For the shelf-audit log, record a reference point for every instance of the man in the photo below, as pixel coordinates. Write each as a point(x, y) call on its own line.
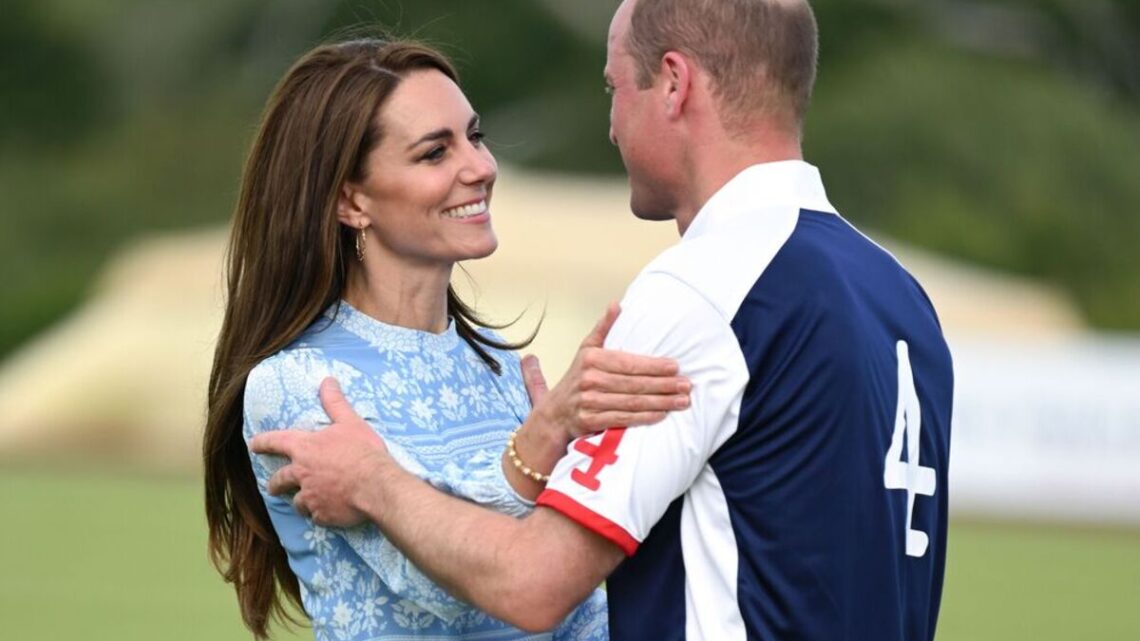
point(803, 495)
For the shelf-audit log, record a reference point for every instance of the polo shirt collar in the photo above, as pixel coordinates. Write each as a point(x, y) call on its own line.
point(787, 183)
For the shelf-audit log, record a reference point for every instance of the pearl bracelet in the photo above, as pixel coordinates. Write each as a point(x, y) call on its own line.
point(518, 462)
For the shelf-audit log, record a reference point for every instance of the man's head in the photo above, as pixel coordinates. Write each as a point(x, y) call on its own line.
point(691, 74)
point(760, 54)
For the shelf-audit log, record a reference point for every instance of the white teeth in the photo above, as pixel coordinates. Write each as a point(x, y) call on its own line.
point(466, 211)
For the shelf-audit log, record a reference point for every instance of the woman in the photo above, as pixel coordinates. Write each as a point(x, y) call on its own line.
point(368, 180)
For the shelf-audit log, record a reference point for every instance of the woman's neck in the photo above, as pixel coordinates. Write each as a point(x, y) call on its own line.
point(416, 299)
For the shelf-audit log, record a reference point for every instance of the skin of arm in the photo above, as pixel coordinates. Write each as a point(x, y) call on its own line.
point(602, 388)
point(528, 572)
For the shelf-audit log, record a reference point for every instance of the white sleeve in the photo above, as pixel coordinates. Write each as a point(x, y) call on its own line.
point(619, 483)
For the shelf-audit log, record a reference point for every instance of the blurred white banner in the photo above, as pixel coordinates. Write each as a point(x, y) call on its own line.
point(1047, 429)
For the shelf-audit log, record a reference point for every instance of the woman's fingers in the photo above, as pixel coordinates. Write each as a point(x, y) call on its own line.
point(616, 362)
point(597, 336)
point(601, 402)
point(608, 383)
point(533, 379)
point(606, 420)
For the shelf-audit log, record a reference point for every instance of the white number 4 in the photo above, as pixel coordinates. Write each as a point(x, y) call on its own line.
point(908, 475)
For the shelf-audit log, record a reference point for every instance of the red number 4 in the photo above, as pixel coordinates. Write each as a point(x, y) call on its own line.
point(601, 455)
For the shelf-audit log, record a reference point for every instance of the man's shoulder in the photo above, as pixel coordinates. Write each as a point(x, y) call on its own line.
point(669, 289)
point(719, 266)
point(668, 311)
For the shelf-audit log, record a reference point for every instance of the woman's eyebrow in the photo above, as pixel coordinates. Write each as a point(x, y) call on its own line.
point(443, 133)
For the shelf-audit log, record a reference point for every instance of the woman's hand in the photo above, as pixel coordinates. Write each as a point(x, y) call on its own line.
point(603, 388)
point(606, 388)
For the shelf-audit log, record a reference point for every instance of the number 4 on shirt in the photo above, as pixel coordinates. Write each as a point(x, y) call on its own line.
point(601, 455)
point(908, 475)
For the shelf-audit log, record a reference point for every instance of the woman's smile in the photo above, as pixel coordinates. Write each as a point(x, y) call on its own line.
point(469, 211)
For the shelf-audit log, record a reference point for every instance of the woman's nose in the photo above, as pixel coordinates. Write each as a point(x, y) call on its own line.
point(479, 166)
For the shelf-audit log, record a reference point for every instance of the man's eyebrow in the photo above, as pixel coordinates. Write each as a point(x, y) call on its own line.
point(443, 133)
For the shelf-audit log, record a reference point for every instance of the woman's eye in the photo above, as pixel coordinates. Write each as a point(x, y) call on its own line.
point(436, 153)
point(476, 137)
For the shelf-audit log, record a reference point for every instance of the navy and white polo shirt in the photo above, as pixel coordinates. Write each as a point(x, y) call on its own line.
point(803, 494)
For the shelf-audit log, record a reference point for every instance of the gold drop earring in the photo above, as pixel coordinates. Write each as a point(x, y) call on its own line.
point(361, 242)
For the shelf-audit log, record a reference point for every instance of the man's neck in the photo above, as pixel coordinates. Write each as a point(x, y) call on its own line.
point(714, 165)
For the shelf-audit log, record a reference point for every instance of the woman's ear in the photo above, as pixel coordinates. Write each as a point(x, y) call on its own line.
point(348, 206)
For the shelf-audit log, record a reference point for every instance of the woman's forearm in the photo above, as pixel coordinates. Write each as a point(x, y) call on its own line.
point(538, 446)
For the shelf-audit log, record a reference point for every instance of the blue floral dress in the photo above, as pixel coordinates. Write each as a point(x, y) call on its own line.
point(445, 417)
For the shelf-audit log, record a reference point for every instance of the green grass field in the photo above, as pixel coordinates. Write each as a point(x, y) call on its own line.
point(87, 556)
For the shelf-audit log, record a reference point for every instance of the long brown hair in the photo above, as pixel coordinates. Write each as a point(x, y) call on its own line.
point(287, 261)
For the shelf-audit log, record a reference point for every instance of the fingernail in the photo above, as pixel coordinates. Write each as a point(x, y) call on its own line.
point(682, 402)
point(684, 387)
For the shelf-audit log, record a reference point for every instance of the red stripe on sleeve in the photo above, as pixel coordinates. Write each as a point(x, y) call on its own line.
point(589, 519)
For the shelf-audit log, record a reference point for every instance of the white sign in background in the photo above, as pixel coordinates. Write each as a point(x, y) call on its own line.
point(1047, 430)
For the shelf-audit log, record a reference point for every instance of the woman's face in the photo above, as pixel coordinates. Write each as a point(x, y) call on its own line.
point(428, 184)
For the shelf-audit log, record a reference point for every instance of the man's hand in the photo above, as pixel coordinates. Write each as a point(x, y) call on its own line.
point(329, 469)
point(606, 388)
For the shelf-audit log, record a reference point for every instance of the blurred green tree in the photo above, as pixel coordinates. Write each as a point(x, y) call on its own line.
point(51, 88)
point(1004, 132)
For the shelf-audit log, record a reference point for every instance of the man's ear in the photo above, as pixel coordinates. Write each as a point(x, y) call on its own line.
point(349, 209)
point(677, 78)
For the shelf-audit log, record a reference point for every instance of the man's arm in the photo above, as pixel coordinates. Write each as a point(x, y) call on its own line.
point(530, 573)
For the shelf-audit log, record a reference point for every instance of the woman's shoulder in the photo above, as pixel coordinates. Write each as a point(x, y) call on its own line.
point(285, 385)
point(277, 383)
point(286, 362)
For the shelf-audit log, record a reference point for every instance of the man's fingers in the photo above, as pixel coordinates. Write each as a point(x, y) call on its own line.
point(334, 402)
point(597, 336)
point(284, 481)
point(279, 442)
point(533, 378)
point(300, 503)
